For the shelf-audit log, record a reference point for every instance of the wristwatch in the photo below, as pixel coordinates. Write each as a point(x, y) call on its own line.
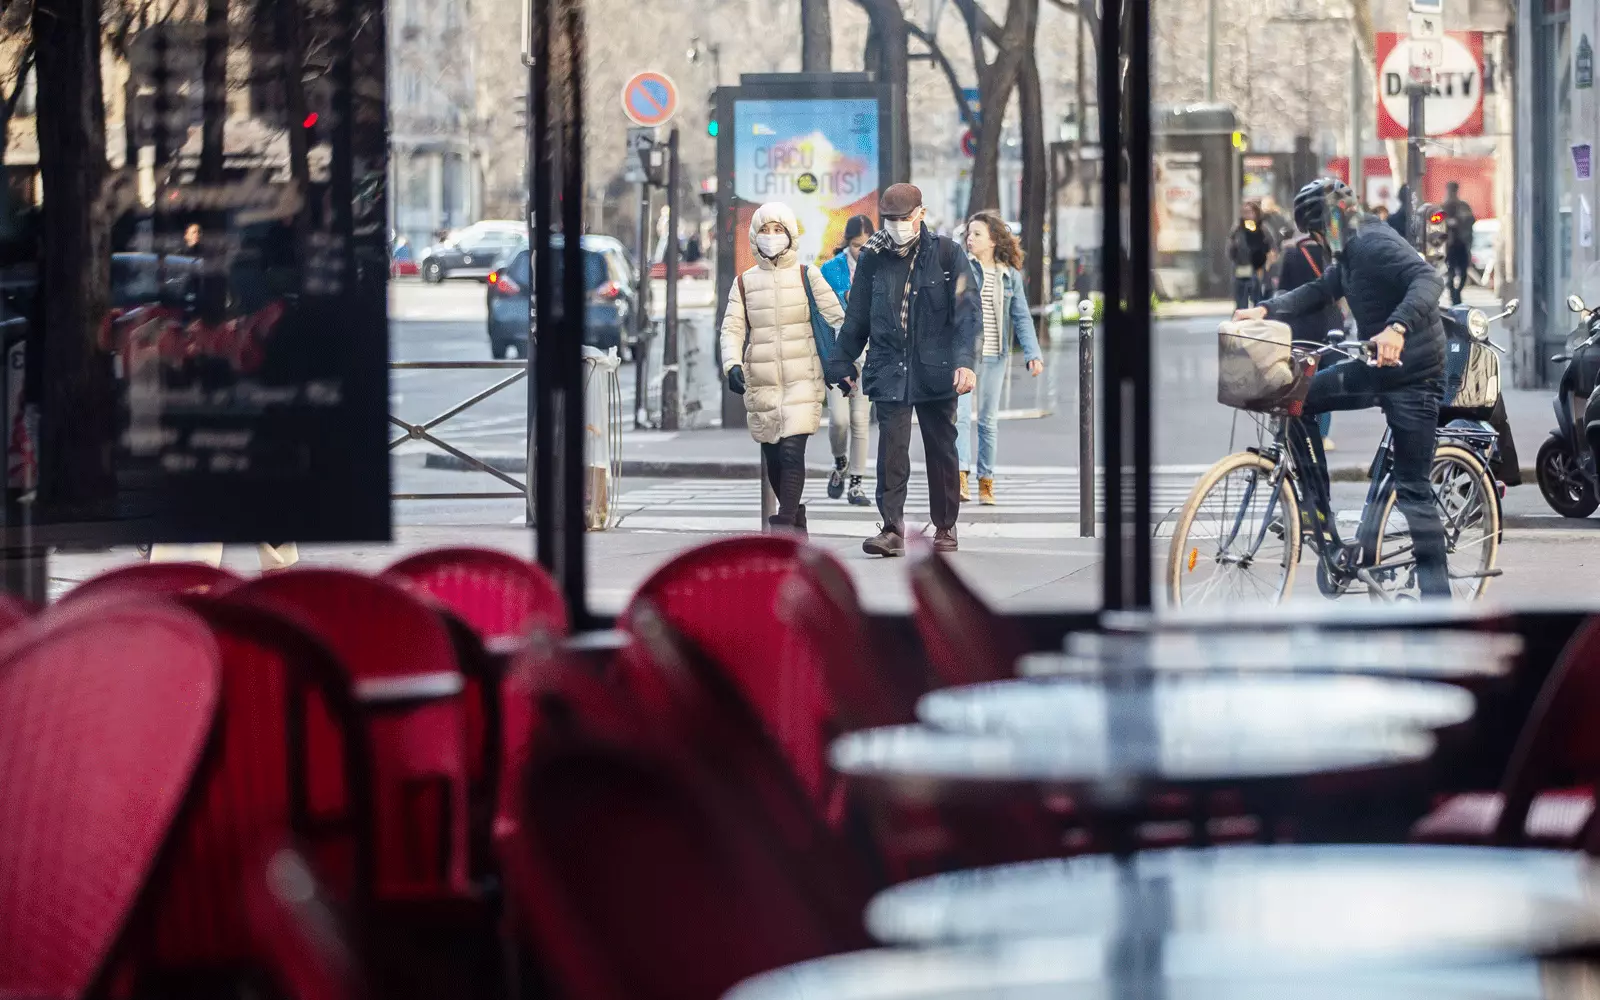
point(1400, 328)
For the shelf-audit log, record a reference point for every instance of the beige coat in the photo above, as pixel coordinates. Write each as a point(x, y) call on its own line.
point(784, 388)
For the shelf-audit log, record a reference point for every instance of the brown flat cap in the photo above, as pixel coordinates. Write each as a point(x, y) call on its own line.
point(900, 199)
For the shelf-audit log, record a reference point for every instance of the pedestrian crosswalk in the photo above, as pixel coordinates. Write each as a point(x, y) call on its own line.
point(1035, 500)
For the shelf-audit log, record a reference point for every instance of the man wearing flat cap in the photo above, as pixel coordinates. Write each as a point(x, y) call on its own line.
point(914, 303)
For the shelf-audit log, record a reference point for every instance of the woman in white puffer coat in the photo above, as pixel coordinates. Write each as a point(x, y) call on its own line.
point(770, 356)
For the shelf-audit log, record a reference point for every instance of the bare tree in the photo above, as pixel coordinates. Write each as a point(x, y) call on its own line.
point(816, 36)
point(997, 78)
point(887, 54)
point(77, 430)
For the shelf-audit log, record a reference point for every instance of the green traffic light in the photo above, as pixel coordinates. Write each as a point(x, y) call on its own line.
point(711, 129)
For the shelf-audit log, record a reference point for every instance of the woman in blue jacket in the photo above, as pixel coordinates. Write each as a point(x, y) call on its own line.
point(849, 418)
point(997, 266)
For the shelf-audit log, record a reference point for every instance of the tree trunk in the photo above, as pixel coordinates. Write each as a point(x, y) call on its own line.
point(816, 36)
point(214, 78)
point(77, 427)
point(996, 81)
point(888, 40)
point(1036, 198)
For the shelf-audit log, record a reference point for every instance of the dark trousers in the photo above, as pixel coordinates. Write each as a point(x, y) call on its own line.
point(1246, 292)
point(938, 422)
point(1413, 415)
point(1458, 261)
point(785, 461)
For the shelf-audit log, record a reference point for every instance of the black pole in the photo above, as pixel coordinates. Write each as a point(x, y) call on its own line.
point(669, 346)
point(641, 312)
point(1416, 164)
point(1107, 84)
point(542, 353)
point(1136, 336)
point(571, 570)
point(533, 119)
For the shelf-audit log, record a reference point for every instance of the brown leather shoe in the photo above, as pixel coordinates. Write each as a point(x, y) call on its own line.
point(887, 542)
point(986, 491)
point(966, 491)
point(944, 540)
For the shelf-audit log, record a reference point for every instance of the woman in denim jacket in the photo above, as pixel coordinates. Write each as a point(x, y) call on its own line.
point(996, 260)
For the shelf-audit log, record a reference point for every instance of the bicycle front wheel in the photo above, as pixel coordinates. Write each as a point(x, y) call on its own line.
point(1238, 538)
point(1465, 494)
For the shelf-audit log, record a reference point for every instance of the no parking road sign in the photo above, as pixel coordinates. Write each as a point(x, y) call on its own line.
point(649, 99)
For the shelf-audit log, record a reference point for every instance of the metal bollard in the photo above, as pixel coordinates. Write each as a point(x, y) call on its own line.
point(1086, 458)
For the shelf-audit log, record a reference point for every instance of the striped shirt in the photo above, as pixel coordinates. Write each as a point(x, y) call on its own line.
point(993, 296)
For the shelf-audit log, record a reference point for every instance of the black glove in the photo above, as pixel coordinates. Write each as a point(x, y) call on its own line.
point(736, 379)
point(836, 372)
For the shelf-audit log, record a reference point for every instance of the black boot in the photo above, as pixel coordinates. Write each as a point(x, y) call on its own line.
point(777, 524)
point(800, 521)
point(836, 478)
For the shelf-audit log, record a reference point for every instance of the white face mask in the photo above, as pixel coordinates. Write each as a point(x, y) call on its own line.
point(772, 244)
point(902, 231)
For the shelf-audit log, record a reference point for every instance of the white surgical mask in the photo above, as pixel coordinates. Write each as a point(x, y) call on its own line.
point(902, 231)
point(772, 244)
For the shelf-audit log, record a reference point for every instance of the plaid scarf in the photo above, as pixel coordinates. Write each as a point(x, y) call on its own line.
point(881, 242)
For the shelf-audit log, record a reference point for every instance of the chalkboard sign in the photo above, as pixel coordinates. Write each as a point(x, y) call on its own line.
point(1583, 64)
point(223, 377)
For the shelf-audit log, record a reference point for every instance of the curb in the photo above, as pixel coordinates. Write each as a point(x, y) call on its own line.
point(513, 465)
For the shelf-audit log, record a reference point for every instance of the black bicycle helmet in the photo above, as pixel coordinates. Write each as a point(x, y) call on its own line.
point(1311, 202)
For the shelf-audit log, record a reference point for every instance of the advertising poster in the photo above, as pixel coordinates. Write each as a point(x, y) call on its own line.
point(1260, 178)
point(1178, 202)
point(233, 383)
point(820, 156)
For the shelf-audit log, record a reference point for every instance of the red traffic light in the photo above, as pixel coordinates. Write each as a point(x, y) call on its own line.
point(311, 120)
point(1436, 218)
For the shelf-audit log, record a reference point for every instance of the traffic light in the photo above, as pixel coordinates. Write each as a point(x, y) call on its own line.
point(712, 128)
point(1241, 141)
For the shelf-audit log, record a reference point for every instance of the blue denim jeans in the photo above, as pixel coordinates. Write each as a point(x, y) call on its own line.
point(991, 382)
point(1413, 415)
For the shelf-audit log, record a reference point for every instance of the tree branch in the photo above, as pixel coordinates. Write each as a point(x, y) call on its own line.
point(937, 55)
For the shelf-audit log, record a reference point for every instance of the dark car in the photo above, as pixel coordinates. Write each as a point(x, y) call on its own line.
point(139, 279)
point(473, 251)
point(607, 277)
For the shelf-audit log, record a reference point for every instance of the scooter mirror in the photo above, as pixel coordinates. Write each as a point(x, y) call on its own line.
point(1575, 304)
point(1511, 307)
point(1560, 359)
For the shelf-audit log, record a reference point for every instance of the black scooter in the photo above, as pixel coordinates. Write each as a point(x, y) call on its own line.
point(1472, 376)
point(1566, 466)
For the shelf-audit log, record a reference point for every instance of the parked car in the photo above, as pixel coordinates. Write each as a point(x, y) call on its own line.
point(607, 276)
point(139, 279)
point(473, 251)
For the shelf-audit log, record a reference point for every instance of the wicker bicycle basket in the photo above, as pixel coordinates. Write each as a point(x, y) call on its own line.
point(1259, 369)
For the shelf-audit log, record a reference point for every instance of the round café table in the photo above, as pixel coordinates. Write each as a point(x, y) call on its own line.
point(1318, 613)
point(1154, 716)
point(1179, 968)
point(1444, 655)
point(925, 762)
point(1378, 902)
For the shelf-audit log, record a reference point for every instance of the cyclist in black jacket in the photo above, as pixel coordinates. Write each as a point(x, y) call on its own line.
point(1393, 295)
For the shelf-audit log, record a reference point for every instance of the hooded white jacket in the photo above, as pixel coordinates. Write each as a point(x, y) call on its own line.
point(767, 329)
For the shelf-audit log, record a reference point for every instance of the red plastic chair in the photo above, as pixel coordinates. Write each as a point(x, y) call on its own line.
point(688, 702)
point(255, 792)
point(102, 725)
point(402, 667)
point(721, 596)
point(966, 642)
point(295, 932)
point(155, 579)
point(631, 876)
point(1559, 735)
point(496, 593)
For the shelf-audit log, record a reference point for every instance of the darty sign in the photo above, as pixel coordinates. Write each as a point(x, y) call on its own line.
point(1454, 105)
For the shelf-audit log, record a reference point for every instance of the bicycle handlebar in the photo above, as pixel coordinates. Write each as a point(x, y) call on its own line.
point(1355, 350)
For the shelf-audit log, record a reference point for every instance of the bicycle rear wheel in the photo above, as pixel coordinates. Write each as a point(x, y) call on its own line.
point(1465, 494)
point(1237, 539)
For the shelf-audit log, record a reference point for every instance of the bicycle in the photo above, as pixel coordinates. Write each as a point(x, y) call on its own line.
point(1379, 556)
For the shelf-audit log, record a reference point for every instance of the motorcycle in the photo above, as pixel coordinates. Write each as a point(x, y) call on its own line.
point(1566, 466)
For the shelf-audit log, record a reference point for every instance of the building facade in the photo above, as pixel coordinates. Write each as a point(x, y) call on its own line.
point(435, 181)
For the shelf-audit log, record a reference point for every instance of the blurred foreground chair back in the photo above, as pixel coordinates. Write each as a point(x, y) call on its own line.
point(103, 723)
point(252, 795)
point(155, 579)
point(1559, 738)
point(496, 593)
point(722, 596)
point(965, 640)
point(404, 674)
point(631, 876)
